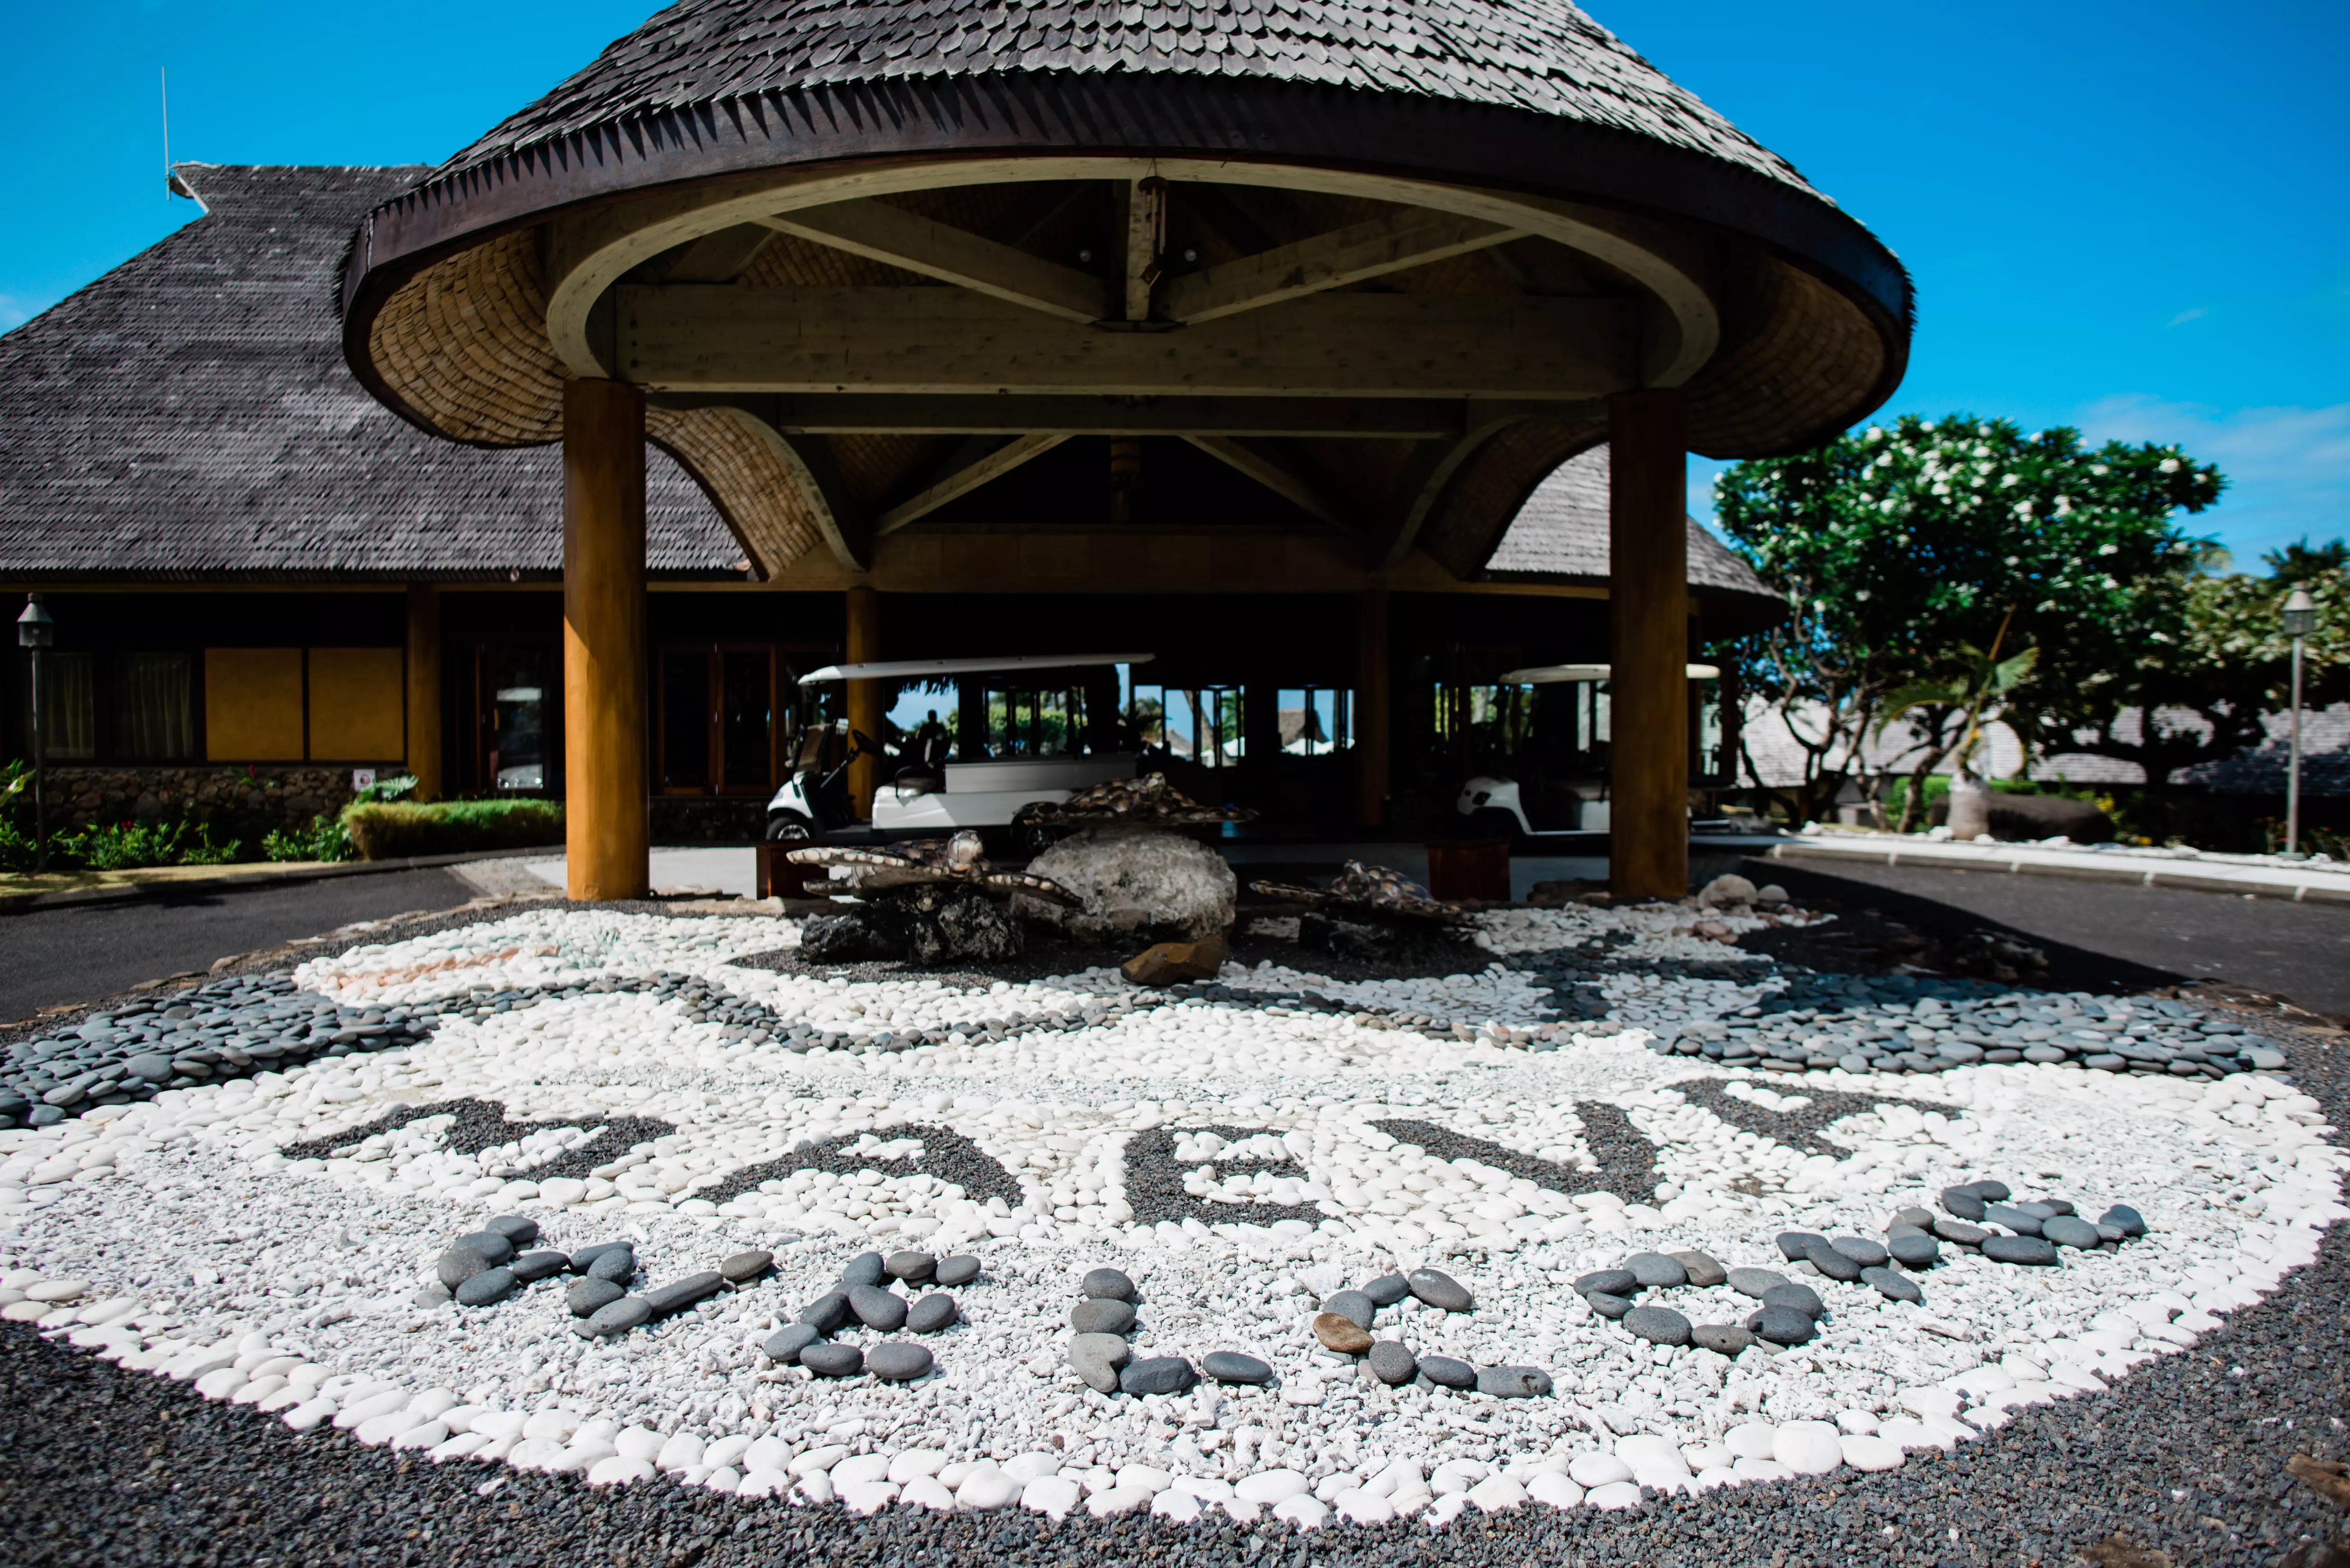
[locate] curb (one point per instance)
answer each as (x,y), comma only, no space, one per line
(2142,876)
(25,903)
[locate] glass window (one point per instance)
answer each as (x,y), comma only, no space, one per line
(685,715)
(518,687)
(1315,720)
(68,706)
(746,718)
(154,706)
(1032,721)
(1199,724)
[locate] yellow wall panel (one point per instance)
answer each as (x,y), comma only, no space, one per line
(253,704)
(357,700)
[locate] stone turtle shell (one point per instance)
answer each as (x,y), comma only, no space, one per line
(1150,800)
(929,862)
(1377,890)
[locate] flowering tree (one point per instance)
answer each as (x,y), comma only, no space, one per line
(1900,546)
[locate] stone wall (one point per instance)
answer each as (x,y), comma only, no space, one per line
(238,802)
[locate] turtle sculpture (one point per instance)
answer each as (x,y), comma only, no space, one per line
(1373,914)
(933,901)
(1147,802)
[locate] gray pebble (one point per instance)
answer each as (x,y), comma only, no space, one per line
(828,1312)
(829,1360)
(488,1243)
(1609,1305)
(865,1269)
(150,1066)
(2128,1220)
(1446,1372)
(2012,1218)
(1916,1251)
(2070,1230)
(1386,1289)
(1097,1314)
(896,1361)
(584,1258)
(1796,1245)
(1991,1191)
(1159,1375)
(1440,1290)
(1912,1216)
(1722,1339)
(1860,1249)
(933,1312)
(1392,1363)
(1232,1367)
(519,1228)
(614,1264)
(1782,1325)
(2032,1251)
(1514,1382)
(1892,1284)
(619,1317)
(1655,1270)
(1098,1357)
(1353,1305)
(458,1265)
(1754,1281)
(1658,1325)
(1959,1233)
(489,1285)
(1703,1270)
(1796,1298)
(743,1267)
(532,1267)
(1609,1281)
(786,1343)
(909,1267)
(1833,1263)
(960,1270)
(1107,1285)
(679,1294)
(1963,1202)
(878,1308)
(584,1298)
(434,1294)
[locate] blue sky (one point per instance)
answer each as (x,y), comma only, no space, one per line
(2131,217)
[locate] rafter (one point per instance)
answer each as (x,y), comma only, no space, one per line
(882,233)
(1393,242)
(719,257)
(951,341)
(1417,491)
(999,459)
(1279,478)
(979,413)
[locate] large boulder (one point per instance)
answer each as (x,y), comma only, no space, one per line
(2027,818)
(1138,884)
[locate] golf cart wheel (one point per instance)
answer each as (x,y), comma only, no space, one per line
(1034,838)
(789,827)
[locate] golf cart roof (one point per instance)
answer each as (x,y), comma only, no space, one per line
(914,668)
(1550,674)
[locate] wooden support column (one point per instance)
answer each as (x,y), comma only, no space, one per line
(1371,730)
(424,690)
(606,829)
(1649,634)
(864,644)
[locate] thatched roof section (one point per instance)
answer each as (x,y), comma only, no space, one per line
(1540,56)
(1560,534)
(190,414)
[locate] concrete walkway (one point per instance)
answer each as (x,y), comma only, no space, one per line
(2251,876)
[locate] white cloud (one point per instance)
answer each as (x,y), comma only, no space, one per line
(2184,316)
(2288,468)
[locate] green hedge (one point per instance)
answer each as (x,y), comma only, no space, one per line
(389,830)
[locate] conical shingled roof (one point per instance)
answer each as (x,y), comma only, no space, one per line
(1542,55)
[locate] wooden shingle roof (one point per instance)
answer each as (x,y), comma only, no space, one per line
(190,414)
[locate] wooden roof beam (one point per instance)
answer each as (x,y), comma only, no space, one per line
(882,233)
(933,340)
(999,459)
(1279,478)
(1393,242)
(981,414)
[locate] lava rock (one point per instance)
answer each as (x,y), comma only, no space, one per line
(1232,1367)
(1152,887)
(1514,1382)
(895,1360)
(1440,1291)
(1353,1305)
(1107,1284)
(1658,1325)
(1392,1363)
(935,1312)
(1159,1375)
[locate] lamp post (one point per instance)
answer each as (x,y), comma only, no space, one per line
(34,631)
(2299,617)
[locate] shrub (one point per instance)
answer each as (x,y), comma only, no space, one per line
(386,830)
(325,839)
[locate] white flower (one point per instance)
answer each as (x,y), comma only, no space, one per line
(2168,465)
(2109,549)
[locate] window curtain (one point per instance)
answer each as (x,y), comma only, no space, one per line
(154,706)
(70,706)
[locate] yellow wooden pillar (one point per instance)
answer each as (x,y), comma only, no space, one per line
(424,690)
(864,645)
(1648,602)
(607,833)
(1371,697)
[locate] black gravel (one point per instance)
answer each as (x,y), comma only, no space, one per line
(946,1154)
(1154,1182)
(1799,1125)
(1627,1161)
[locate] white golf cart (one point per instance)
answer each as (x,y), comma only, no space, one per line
(930,795)
(1497,801)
